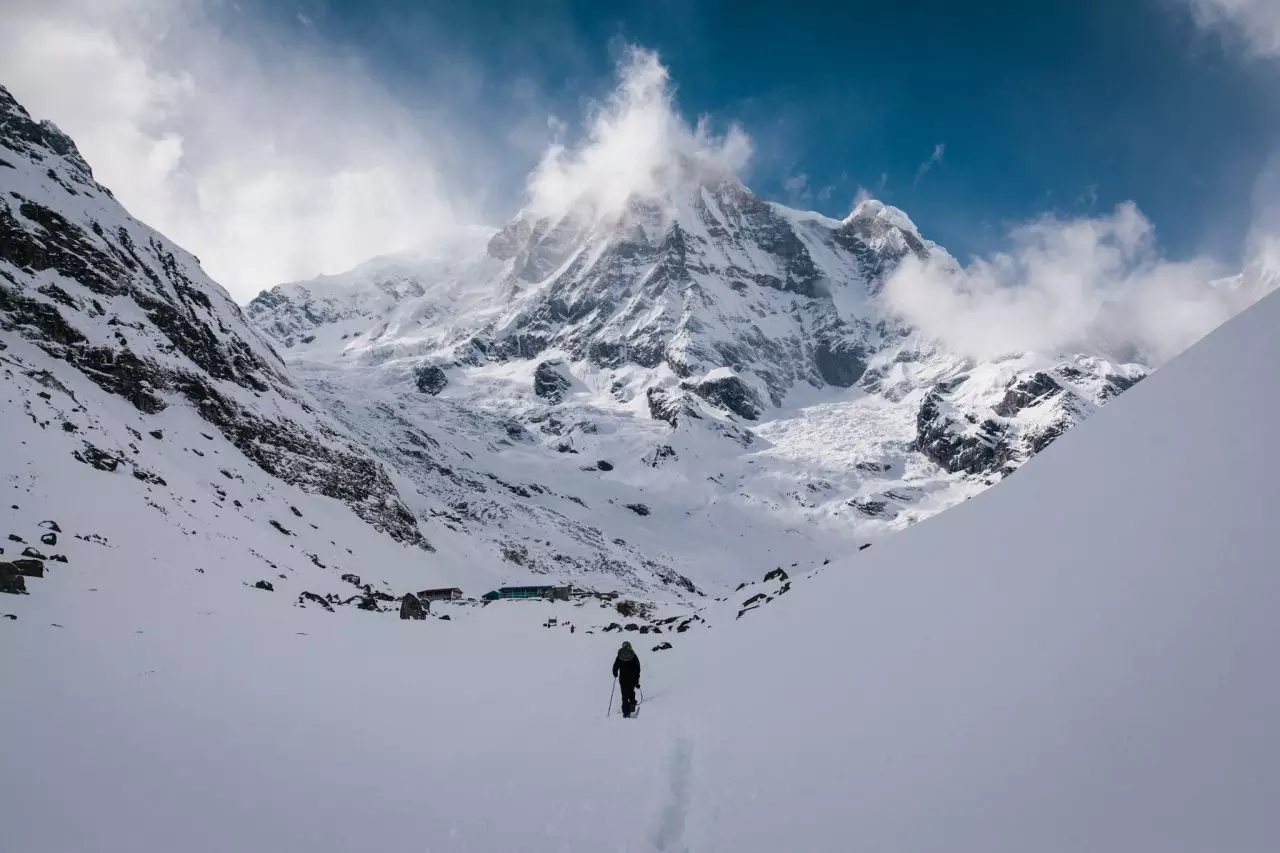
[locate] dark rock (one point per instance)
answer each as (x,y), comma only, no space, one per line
(602,465)
(278,526)
(146,476)
(11,581)
(58,558)
(368,602)
(660,454)
(30,568)
(33,553)
(613,626)
(12,616)
(430,379)
(631,626)
(264,585)
(639,509)
(549,383)
(777,574)
(49,525)
(661,647)
(682,627)
(411,607)
(97,457)
(312,597)
(667,406)
(872,508)
(353,579)
(1027,392)
(956,449)
(446,618)
(864,547)
(1117,384)
(13,537)
(728,392)
(840,364)
(156,434)
(295,511)
(644,629)
(759,596)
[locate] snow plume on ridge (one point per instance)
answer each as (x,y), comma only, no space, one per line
(635,144)
(1087,283)
(268,153)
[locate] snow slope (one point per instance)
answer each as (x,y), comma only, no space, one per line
(1080,659)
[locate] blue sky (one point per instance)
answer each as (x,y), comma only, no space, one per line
(279,140)
(1066,106)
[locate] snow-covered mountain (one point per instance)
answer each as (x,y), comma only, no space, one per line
(730,362)
(139,404)
(1079,659)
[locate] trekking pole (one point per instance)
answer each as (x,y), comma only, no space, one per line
(609,713)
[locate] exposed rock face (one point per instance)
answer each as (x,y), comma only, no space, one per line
(728,392)
(549,383)
(92,287)
(1030,391)
(431,379)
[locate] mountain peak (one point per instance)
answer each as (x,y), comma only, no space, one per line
(875,210)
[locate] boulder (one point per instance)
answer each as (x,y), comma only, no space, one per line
(352,579)
(368,602)
(430,379)
(264,585)
(49,539)
(10,581)
(411,607)
(777,574)
(32,553)
(639,509)
(27,568)
(604,465)
(661,647)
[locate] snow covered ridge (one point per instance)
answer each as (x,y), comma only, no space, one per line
(732,359)
(86,287)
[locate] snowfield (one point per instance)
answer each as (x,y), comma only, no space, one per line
(693,404)
(1080,659)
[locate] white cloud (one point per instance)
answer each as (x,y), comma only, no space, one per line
(635,144)
(1096,282)
(268,164)
(934,159)
(1256,21)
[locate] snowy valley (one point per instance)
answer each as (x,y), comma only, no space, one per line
(212,515)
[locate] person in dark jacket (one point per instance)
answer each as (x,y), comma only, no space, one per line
(626,668)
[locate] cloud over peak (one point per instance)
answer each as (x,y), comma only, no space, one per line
(1090,283)
(634,143)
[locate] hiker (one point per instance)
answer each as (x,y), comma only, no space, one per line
(626,668)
